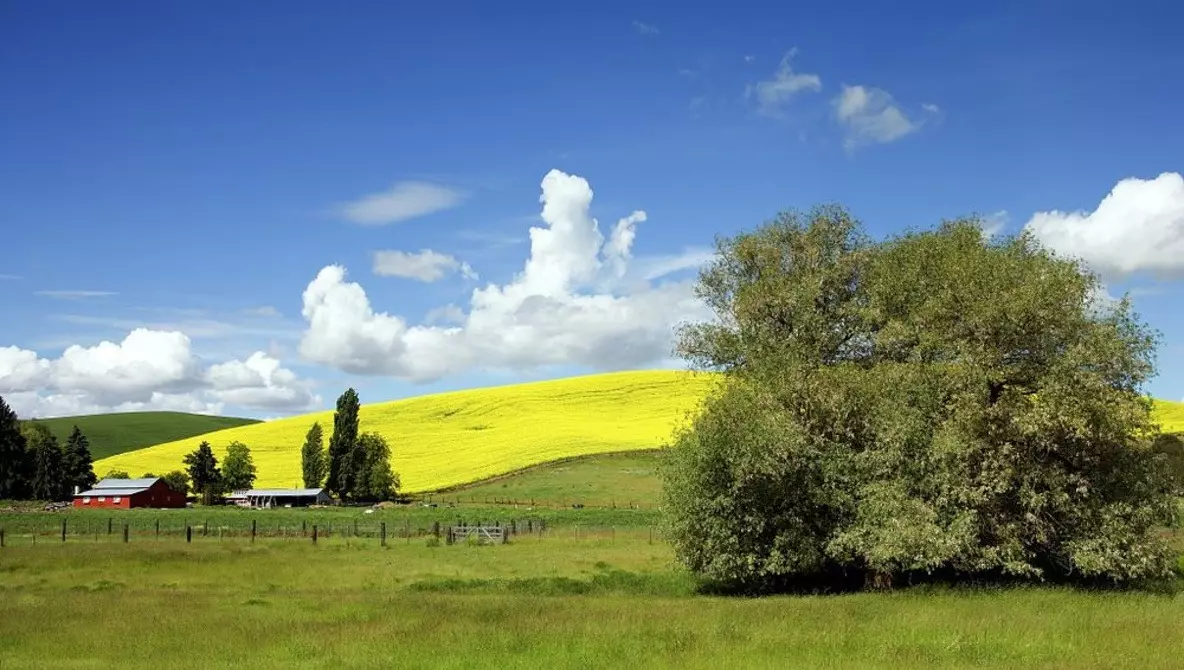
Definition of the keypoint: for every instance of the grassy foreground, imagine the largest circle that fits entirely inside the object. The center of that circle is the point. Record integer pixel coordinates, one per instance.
(447, 439)
(112, 434)
(555, 603)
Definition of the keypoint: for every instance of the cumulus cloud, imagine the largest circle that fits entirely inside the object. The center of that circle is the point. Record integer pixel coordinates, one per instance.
(577, 301)
(1138, 227)
(148, 369)
(425, 265)
(993, 224)
(870, 116)
(404, 200)
(773, 94)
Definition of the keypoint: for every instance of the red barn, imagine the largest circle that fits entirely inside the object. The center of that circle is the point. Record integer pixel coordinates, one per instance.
(129, 493)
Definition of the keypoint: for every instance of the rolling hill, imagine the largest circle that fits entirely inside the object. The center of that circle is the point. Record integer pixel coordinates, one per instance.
(112, 434)
(447, 439)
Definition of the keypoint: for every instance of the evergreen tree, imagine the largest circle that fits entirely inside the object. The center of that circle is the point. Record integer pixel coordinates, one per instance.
(238, 470)
(312, 457)
(14, 457)
(49, 478)
(343, 444)
(203, 472)
(77, 462)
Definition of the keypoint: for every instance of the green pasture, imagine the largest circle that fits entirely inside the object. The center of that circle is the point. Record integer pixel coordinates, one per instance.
(111, 434)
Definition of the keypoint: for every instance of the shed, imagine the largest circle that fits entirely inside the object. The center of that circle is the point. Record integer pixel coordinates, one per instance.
(129, 493)
(280, 497)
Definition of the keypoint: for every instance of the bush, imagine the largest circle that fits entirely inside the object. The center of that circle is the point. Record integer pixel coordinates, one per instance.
(931, 403)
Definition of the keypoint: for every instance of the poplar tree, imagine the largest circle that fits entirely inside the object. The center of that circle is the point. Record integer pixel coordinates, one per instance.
(343, 443)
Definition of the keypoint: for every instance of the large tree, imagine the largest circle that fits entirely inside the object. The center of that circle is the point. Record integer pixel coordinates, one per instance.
(49, 480)
(202, 467)
(14, 456)
(343, 461)
(238, 469)
(375, 480)
(932, 402)
(77, 461)
(178, 481)
(312, 457)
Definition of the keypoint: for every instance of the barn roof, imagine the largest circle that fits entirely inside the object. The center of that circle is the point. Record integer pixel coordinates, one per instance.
(282, 493)
(126, 483)
(112, 491)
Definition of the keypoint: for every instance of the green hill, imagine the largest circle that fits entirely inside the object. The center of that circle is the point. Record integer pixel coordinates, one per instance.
(111, 434)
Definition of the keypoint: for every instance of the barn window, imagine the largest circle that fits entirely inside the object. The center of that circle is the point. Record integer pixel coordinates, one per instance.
(116, 499)
(85, 500)
(102, 498)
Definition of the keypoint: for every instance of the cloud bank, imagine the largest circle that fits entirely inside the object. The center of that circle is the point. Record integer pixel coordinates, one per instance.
(577, 301)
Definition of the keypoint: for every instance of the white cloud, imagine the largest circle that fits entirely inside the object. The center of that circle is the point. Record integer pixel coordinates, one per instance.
(772, 94)
(425, 265)
(74, 294)
(265, 311)
(993, 224)
(405, 200)
(870, 116)
(645, 28)
(576, 303)
(148, 369)
(1138, 227)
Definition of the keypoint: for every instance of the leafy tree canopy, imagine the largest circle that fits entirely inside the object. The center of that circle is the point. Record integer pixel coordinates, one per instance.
(932, 402)
(343, 451)
(15, 465)
(202, 467)
(312, 458)
(238, 469)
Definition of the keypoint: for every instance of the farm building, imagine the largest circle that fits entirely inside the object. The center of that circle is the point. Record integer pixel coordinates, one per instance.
(129, 493)
(279, 497)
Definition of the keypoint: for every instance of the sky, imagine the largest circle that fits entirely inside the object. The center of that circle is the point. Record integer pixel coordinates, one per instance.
(244, 208)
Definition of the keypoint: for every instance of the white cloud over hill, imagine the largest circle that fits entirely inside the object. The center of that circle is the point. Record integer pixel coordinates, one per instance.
(147, 370)
(577, 301)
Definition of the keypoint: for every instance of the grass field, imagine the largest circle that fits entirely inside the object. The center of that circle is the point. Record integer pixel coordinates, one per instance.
(112, 434)
(626, 478)
(449, 439)
(554, 603)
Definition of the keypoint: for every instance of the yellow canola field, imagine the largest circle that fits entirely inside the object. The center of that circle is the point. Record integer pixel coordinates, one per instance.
(1170, 416)
(447, 439)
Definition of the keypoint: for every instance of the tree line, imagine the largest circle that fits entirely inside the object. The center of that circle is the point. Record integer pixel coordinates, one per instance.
(35, 466)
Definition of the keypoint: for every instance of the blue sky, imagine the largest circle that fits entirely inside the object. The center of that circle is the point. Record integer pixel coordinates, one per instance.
(194, 168)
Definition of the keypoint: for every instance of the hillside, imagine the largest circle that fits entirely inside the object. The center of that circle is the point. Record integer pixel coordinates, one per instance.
(111, 434)
(1170, 415)
(448, 439)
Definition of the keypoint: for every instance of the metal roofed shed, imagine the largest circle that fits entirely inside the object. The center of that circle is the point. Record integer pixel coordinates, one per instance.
(129, 493)
(266, 498)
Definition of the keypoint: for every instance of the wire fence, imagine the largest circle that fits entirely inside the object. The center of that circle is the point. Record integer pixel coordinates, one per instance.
(381, 534)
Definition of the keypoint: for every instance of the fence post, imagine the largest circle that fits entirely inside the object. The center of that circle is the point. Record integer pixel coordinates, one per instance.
(108, 526)
(407, 529)
(436, 529)
(303, 527)
(125, 533)
(205, 528)
(651, 534)
(314, 533)
(1, 538)
(253, 524)
(188, 533)
(382, 533)
(63, 530)
(158, 529)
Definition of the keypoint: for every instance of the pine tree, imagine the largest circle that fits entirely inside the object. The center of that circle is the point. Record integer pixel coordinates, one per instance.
(342, 445)
(49, 479)
(14, 457)
(77, 461)
(203, 472)
(312, 457)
